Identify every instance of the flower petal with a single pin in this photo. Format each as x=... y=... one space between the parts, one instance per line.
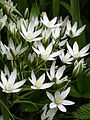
x=3 y=78
x=67 y=102
x=60 y=71
x=12 y=77
x=52 y=70
x=65 y=93
x=46 y=85
x=76 y=48
x=84 y=50
x=69 y=49
x=41 y=78
x=52 y=105
x=50 y=96
x=19 y=84
x=1 y=85
x=33 y=78
x=62 y=108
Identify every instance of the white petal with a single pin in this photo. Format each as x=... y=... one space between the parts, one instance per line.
x=84 y=50
x=52 y=69
x=41 y=78
x=12 y=77
x=62 y=108
x=31 y=26
x=16 y=90
x=35 y=39
x=49 y=48
x=18 y=48
x=33 y=78
x=37 y=51
x=33 y=87
x=12 y=44
x=53 y=21
x=46 y=85
x=74 y=28
x=23 y=50
x=48 y=76
x=1 y=85
x=19 y=84
x=56 y=53
x=64 y=94
x=36 y=33
x=50 y=96
x=23 y=29
x=76 y=48
x=69 y=49
x=79 y=31
x=3 y=78
x=68 y=25
x=60 y=71
x=57 y=94
x=41 y=47
x=67 y=102
x=3 y=48
x=52 y=105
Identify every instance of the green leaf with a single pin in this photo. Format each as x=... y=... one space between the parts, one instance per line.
x=4 y=106
x=25 y=107
x=67 y=6
x=75 y=11
x=55 y=8
x=74 y=92
x=34 y=11
x=83 y=112
x=83 y=85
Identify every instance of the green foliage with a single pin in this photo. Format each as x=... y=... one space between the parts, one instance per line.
x=4 y=106
x=83 y=112
x=55 y=8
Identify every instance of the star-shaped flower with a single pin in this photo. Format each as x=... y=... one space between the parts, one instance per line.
x=9 y=86
x=58 y=100
x=39 y=84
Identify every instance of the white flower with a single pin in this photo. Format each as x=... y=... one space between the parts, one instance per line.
x=9 y=6
x=46 y=53
x=39 y=84
x=28 y=33
x=12 y=28
x=49 y=24
x=72 y=31
x=78 y=67
x=58 y=100
x=75 y=51
x=17 y=50
x=9 y=86
x=6 y=51
x=49 y=115
x=2 y=19
x=53 y=74
x=56 y=32
x=66 y=58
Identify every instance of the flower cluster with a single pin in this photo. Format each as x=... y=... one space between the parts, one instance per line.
x=39 y=53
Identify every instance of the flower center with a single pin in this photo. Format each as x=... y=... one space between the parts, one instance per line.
x=9 y=87
x=64 y=59
x=49 y=24
x=38 y=84
x=29 y=36
x=76 y=55
x=58 y=100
